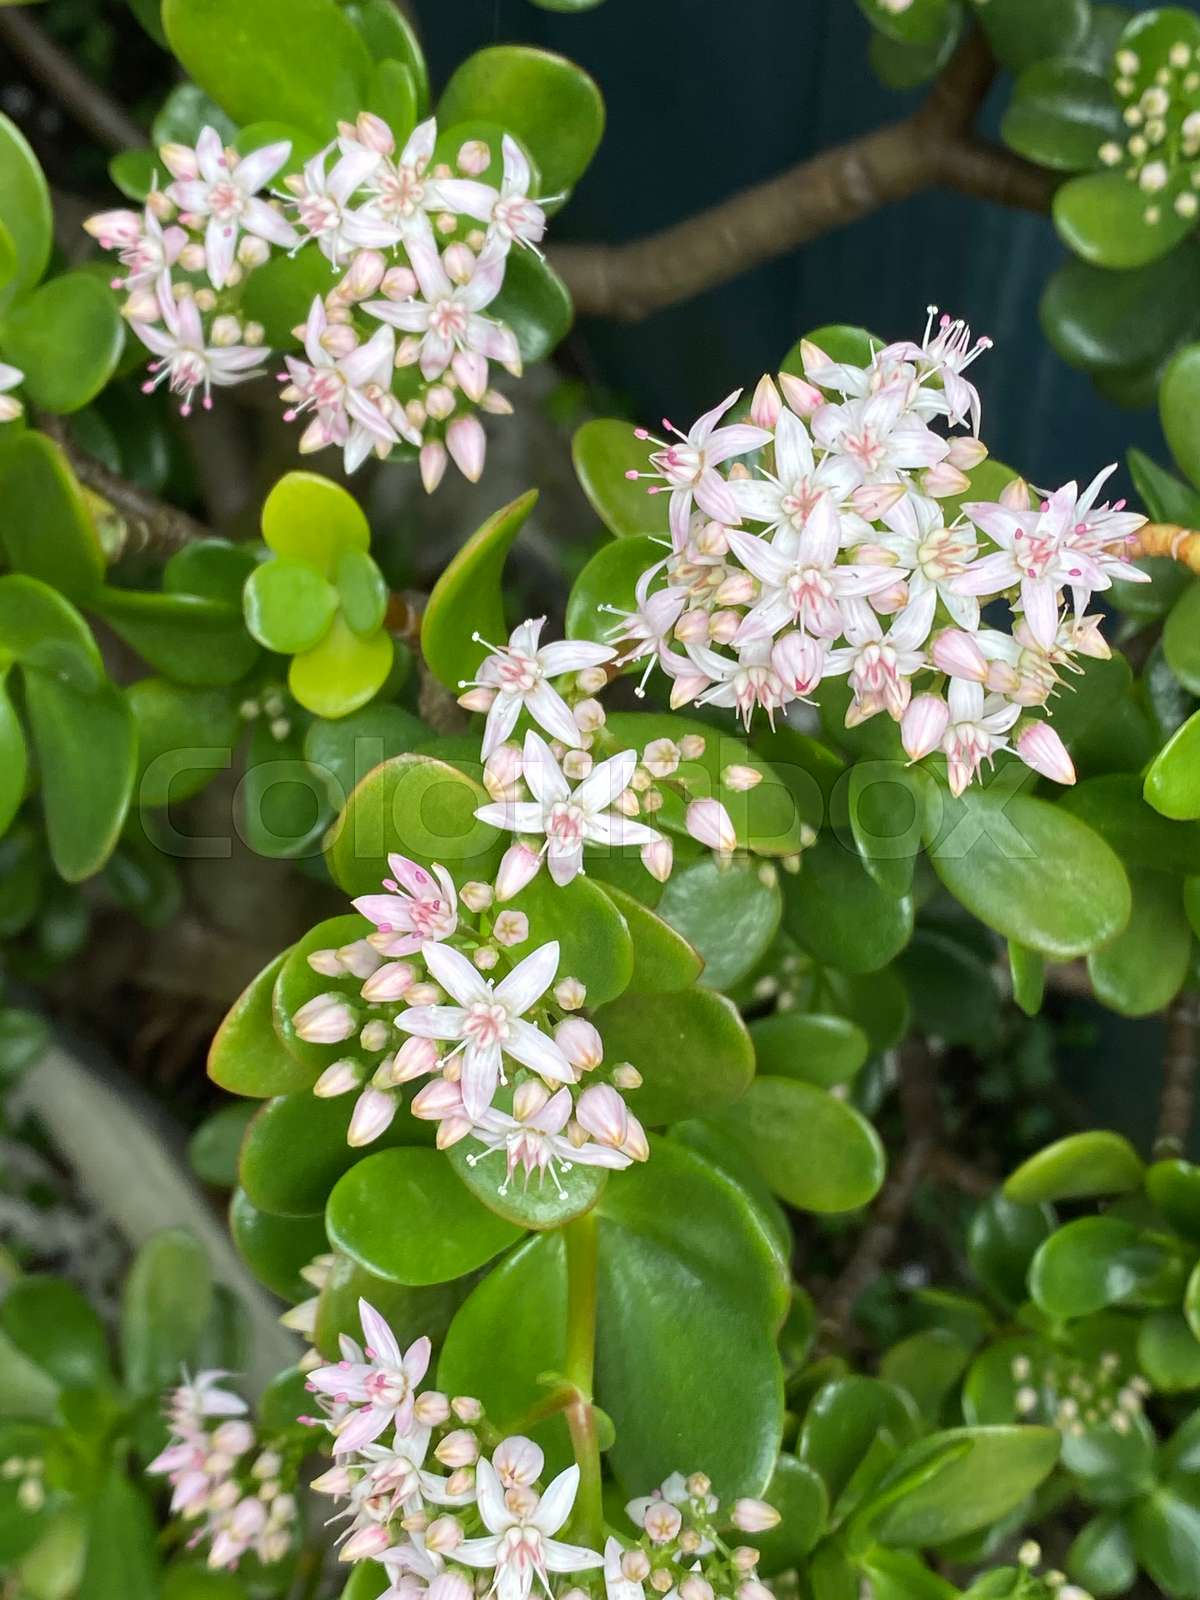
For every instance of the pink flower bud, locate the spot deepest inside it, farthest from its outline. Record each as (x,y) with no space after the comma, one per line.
(477,896)
(474,158)
(366,1544)
(517,868)
(471,370)
(114,230)
(325,1019)
(436,1100)
(872,500)
(458,261)
(444,1535)
(440,402)
(399,283)
(340,1078)
(431,1408)
(502,770)
(695,1587)
(754,1516)
(886,602)
(511,927)
(452,1129)
(658,857)
(602,1112)
(923,724)
(337,1482)
(327,962)
(957,653)
(738,588)
(1015,495)
(233,1438)
(364,277)
(477,699)
(662,1521)
(373,133)
(803,398)
(723,626)
(466,1408)
(635,1565)
(373,1113)
(799,661)
(570,994)
(710,823)
(414,1059)
(1040,747)
(432,464)
(580,1041)
(752,1589)
(692,627)
(467,444)
(966,452)
(180,161)
(458,1449)
(391,982)
(766,404)
(943,479)
(518,1462)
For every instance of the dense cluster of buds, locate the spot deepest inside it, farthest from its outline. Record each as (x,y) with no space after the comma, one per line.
(430,1489)
(1160,107)
(1073,1394)
(833,558)
(398,351)
(689,1545)
(224,1478)
(431,1492)
(506,1057)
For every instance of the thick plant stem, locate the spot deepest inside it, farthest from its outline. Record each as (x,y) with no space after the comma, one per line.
(581,1239)
(1164,539)
(1177,1104)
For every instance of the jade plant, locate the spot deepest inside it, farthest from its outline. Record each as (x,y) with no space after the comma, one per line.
(626,971)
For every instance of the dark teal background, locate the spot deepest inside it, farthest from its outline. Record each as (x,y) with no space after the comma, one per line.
(705,97)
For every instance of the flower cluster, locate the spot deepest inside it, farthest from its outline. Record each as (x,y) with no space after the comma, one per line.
(685,1546)
(223,1477)
(834,558)
(399,349)
(504,1057)
(1161,109)
(483,1512)
(1073,1395)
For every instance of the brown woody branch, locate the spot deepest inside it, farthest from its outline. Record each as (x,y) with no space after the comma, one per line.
(95,111)
(1164,539)
(935,146)
(922,1122)
(1176,1107)
(152,523)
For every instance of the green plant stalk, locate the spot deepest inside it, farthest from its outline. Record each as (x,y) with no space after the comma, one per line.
(581,1241)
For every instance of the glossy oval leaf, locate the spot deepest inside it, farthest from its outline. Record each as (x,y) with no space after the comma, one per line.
(1102,217)
(691,1048)
(729,912)
(47,530)
(812,1047)
(1172,784)
(87,757)
(838,912)
(993,853)
(663,960)
(247,1056)
(446,1230)
(815,1151)
(75,312)
(1077,1167)
(605,451)
(467,597)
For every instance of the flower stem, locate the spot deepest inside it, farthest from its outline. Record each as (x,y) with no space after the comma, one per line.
(581,1240)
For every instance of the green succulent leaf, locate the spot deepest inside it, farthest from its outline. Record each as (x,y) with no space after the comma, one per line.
(289,605)
(663,961)
(547,102)
(48,532)
(815,1048)
(247,1056)
(605,452)
(690,1046)
(1077,1167)
(704,1386)
(300,61)
(467,599)
(421,807)
(728,912)
(165,1305)
(993,852)
(972,1489)
(276,1248)
(1061,112)
(447,1231)
(838,912)
(189,638)
(816,1152)
(1102,218)
(1172,784)
(25,209)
